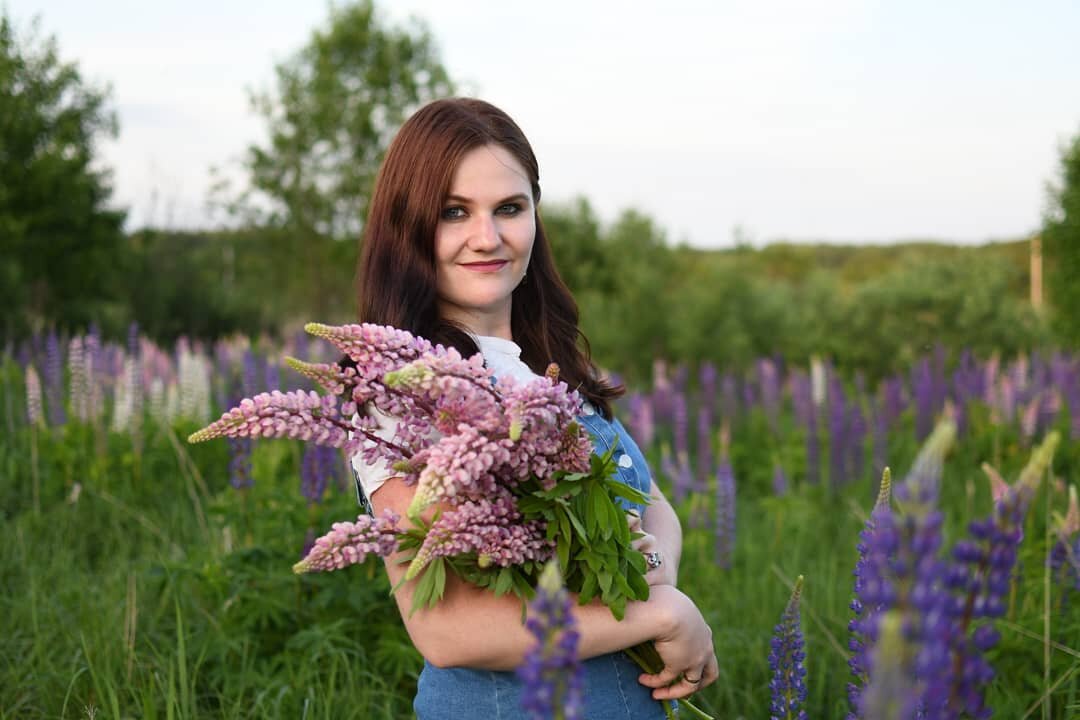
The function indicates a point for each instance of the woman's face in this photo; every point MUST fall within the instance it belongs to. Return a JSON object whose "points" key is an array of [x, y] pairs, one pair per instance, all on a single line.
{"points": [[483, 240]]}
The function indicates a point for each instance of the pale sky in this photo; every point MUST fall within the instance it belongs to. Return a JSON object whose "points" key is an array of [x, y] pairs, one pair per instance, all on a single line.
{"points": [[807, 120]]}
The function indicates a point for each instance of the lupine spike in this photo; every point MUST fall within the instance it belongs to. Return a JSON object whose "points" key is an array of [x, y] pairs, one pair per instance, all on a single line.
{"points": [[330, 376], [891, 692], [786, 660], [998, 486], [552, 675], [884, 497], [350, 543], [33, 397]]}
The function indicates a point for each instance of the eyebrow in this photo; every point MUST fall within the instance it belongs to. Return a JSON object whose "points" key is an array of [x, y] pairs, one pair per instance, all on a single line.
{"points": [[519, 197]]}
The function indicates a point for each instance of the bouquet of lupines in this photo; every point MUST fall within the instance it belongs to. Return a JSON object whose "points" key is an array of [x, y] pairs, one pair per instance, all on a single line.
{"points": [[510, 473], [505, 477]]}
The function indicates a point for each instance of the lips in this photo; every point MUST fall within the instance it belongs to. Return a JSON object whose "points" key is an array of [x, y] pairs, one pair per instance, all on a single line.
{"points": [[487, 266]]}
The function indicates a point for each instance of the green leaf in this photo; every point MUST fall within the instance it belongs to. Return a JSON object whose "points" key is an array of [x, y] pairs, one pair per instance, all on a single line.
{"points": [[504, 582], [601, 510], [604, 578], [588, 590]]}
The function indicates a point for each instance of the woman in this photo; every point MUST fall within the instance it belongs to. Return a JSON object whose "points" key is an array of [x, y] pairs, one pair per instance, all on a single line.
{"points": [[454, 251]]}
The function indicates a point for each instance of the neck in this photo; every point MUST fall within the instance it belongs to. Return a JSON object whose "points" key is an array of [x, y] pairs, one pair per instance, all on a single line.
{"points": [[495, 324]]}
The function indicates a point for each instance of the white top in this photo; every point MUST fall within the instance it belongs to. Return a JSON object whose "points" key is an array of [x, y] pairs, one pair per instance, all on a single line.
{"points": [[502, 356]]}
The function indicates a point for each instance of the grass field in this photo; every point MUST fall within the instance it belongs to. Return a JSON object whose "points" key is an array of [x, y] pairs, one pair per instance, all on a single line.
{"points": [[137, 582]]}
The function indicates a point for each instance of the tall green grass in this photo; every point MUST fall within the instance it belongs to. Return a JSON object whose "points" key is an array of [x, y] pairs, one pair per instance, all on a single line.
{"points": [[147, 587]]}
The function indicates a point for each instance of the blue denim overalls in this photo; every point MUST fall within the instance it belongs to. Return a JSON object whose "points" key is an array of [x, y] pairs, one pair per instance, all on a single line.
{"points": [[612, 691]]}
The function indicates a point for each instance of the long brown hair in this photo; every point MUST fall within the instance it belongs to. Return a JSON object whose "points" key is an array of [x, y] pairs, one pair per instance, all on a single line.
{"points": [[396, 282]]}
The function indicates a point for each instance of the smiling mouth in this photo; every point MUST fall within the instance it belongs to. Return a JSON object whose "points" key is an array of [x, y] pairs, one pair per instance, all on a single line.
{"points": [[489, 265]]}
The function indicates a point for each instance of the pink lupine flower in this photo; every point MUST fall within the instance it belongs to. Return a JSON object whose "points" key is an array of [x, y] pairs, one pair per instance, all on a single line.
{"points": [[998, 487], [330, 376], [490, 528], [350, 543], [296, 414], [33, 397], [463, 464], [376, 349]]}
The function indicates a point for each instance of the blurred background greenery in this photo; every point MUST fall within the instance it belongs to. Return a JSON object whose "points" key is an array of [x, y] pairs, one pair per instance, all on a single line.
{"points": [[66, 258]]}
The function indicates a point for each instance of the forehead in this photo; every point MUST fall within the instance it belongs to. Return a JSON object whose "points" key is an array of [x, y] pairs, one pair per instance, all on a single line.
{"points": [[489, 168]]}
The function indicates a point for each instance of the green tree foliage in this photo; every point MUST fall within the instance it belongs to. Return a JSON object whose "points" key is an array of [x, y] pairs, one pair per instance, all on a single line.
{"points": [[61, 247], [1061, 247], [335, 107]]}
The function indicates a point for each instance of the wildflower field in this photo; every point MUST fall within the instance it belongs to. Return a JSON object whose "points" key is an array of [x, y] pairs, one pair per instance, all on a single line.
{"points": [[144, 577]]}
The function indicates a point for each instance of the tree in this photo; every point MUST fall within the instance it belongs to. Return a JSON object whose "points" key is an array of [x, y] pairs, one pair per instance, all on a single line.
{"points": [[336, 106], [61, 247], [1061, 247]]}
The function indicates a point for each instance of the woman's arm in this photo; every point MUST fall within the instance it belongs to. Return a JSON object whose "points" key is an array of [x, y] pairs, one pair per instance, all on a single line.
{"points": [[471, 627], [663, 533]]}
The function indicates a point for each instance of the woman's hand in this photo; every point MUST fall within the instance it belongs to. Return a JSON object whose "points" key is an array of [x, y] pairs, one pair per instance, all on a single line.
{"points": [[685, 645], [665, 573]]}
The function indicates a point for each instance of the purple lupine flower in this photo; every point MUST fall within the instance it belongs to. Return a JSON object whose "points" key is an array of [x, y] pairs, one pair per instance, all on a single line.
{"points": [[240, 462], [272, 374], [768, 376], [891, 693], [704, 446], [899, 569], [250, 374], [680, 378], [661, 392], [922, 384], [640, 420], [707, 379], [813, 452], [1049, 409], [893, 399], [301, 345], [680, 419], [979, 580], [725, 512], [54, 380], [779, 479], [749, 399], [856, 441], [879, 436], [312, 478], [1064, 559], [802, 401], [729, 398], [786, 661], [350, 543], [873, 593], [552, 676]]}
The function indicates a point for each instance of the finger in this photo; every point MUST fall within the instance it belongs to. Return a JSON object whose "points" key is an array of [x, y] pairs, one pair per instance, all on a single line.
{"points": [[634, 521], [660, 679], [681, 689], [711, 672], [644, 543]]}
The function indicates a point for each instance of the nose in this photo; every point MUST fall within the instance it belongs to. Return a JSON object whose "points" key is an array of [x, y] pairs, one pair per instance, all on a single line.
{"points": [[484, 235]]}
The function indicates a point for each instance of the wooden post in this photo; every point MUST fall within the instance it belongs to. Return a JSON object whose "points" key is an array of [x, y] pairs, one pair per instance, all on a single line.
{"points": [[1036, 273]]}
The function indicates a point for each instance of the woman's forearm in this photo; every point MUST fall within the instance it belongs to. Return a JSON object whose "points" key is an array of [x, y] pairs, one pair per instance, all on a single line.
{"points": [[471, 627], [661, 521]]}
